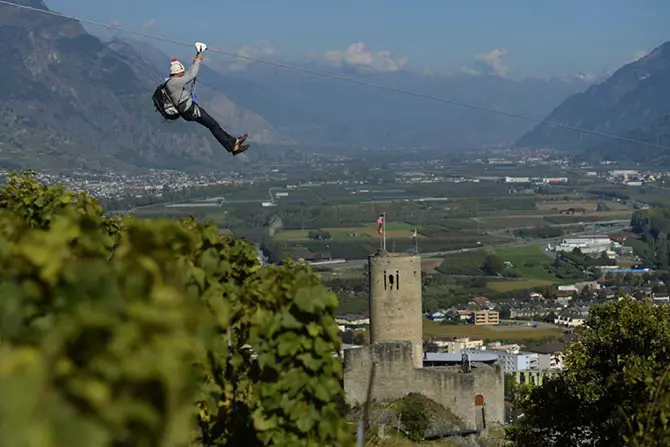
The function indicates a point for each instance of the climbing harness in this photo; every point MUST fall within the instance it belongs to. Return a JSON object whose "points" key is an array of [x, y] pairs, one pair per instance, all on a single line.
{"points": [[194, 98]]}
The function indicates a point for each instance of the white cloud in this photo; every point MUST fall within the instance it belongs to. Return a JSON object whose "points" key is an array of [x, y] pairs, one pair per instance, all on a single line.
{"points": [[358, 56], [259, 50], [638, 55], [491, 63], [587, 76], [146, 26]]}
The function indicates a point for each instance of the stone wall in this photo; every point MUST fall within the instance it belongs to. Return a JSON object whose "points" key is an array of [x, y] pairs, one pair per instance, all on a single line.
{"points": [[396, 376]]}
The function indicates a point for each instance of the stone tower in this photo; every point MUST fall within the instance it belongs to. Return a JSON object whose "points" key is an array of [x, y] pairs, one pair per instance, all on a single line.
{"points": [[395, 300]]}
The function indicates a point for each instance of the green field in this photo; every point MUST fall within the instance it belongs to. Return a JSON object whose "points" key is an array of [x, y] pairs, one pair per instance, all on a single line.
{"points": [[529, 261], [501, 333]]}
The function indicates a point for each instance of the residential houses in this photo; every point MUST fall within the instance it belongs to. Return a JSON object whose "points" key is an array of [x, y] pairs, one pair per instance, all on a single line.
{"points": [[457, 344], [569, 320], [485, 317], [347, 323]]}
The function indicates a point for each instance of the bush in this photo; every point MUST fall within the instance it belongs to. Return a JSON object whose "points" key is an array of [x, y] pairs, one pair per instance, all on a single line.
{"points": [[414, 416], [153, 332]]}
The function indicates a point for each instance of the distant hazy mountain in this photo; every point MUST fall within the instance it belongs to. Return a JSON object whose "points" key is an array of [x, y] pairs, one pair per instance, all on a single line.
{"points": [[316, 110], [69, 100], [634, 102]]}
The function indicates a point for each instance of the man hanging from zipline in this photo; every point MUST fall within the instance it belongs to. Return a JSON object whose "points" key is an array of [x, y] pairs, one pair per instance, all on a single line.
{"points": [[173, 100]]}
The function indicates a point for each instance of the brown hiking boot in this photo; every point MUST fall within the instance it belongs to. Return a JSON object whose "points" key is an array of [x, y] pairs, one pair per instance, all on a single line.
{"points": [[239, 148]]}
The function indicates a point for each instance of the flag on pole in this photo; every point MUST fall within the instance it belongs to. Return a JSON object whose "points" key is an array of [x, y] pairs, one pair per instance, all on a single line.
{"points": [[414, 234], [380, 224]]}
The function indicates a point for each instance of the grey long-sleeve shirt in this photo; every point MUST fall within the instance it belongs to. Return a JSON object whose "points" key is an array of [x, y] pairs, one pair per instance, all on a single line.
{"points": [[176, 87]]}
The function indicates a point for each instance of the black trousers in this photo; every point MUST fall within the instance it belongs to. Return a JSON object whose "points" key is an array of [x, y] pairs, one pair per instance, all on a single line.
{"points": [[200, 116]]}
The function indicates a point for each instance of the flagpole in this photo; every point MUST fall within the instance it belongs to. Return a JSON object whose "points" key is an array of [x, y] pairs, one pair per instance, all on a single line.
{"points": [[384, 232], [416, 241], [380, 230]]}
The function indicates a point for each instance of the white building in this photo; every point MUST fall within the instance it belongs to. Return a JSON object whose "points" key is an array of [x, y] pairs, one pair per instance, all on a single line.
{"points": [[520, 361], [550, 356], [593, 245], [622, 172], [455, 345], [555, 180], [514, 360], [517, 179]]}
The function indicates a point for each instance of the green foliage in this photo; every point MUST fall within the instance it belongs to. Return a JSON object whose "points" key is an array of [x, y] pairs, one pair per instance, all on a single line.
{"points": [[492, 265], [654, 228], [466, 263], [414, 416], [38, 205], [147, 333], [615, 387], [320, 235]]}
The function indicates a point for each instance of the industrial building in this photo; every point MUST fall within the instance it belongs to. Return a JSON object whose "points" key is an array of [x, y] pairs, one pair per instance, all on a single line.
{"points": [[587, 245]]}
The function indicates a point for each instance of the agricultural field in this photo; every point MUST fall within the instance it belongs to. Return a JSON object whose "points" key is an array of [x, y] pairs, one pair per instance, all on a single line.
{"points": [[473, 215], [499, 332], [504, 222], [512, 285], [530, 262], [567, 219], [360, 241], [393, 230], [588, 205], [653, 196]]}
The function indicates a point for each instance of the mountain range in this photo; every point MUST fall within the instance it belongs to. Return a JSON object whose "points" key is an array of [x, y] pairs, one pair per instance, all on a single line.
{"points": [[328, 110], [633, 103], [324, 111], [70, 99]]}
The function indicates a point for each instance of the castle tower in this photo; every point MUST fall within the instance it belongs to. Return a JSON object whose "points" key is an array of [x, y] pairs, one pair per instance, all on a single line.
{"points": [[395, 300]]}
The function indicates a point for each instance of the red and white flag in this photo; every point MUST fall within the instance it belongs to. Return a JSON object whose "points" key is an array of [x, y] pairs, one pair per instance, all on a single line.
{"points": [[380, 224]]}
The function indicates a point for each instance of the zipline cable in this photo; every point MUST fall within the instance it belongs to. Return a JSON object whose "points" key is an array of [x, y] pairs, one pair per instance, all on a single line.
{"points": [[339, 77]]}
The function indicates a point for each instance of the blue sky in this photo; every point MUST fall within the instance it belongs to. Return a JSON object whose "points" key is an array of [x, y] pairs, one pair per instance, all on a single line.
{"points": [[517, 38]]}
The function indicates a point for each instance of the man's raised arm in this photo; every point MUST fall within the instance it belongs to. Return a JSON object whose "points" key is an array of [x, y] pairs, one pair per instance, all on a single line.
{"points": [[194, 69]]}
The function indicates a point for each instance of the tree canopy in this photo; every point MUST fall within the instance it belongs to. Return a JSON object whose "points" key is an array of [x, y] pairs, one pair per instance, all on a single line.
{"points": [[118, 332], [615, 390], [653, 226]]}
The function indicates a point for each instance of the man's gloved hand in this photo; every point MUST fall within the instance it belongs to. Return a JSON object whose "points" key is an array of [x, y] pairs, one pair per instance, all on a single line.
{"points": [[200, 47]]}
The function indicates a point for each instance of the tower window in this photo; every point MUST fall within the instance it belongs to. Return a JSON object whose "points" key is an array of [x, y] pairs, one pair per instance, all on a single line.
{"points": [[397, 280], [384, 279]]}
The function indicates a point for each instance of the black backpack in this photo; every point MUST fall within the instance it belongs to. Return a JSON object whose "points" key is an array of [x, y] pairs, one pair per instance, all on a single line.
{"points": [[164, 104]]}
